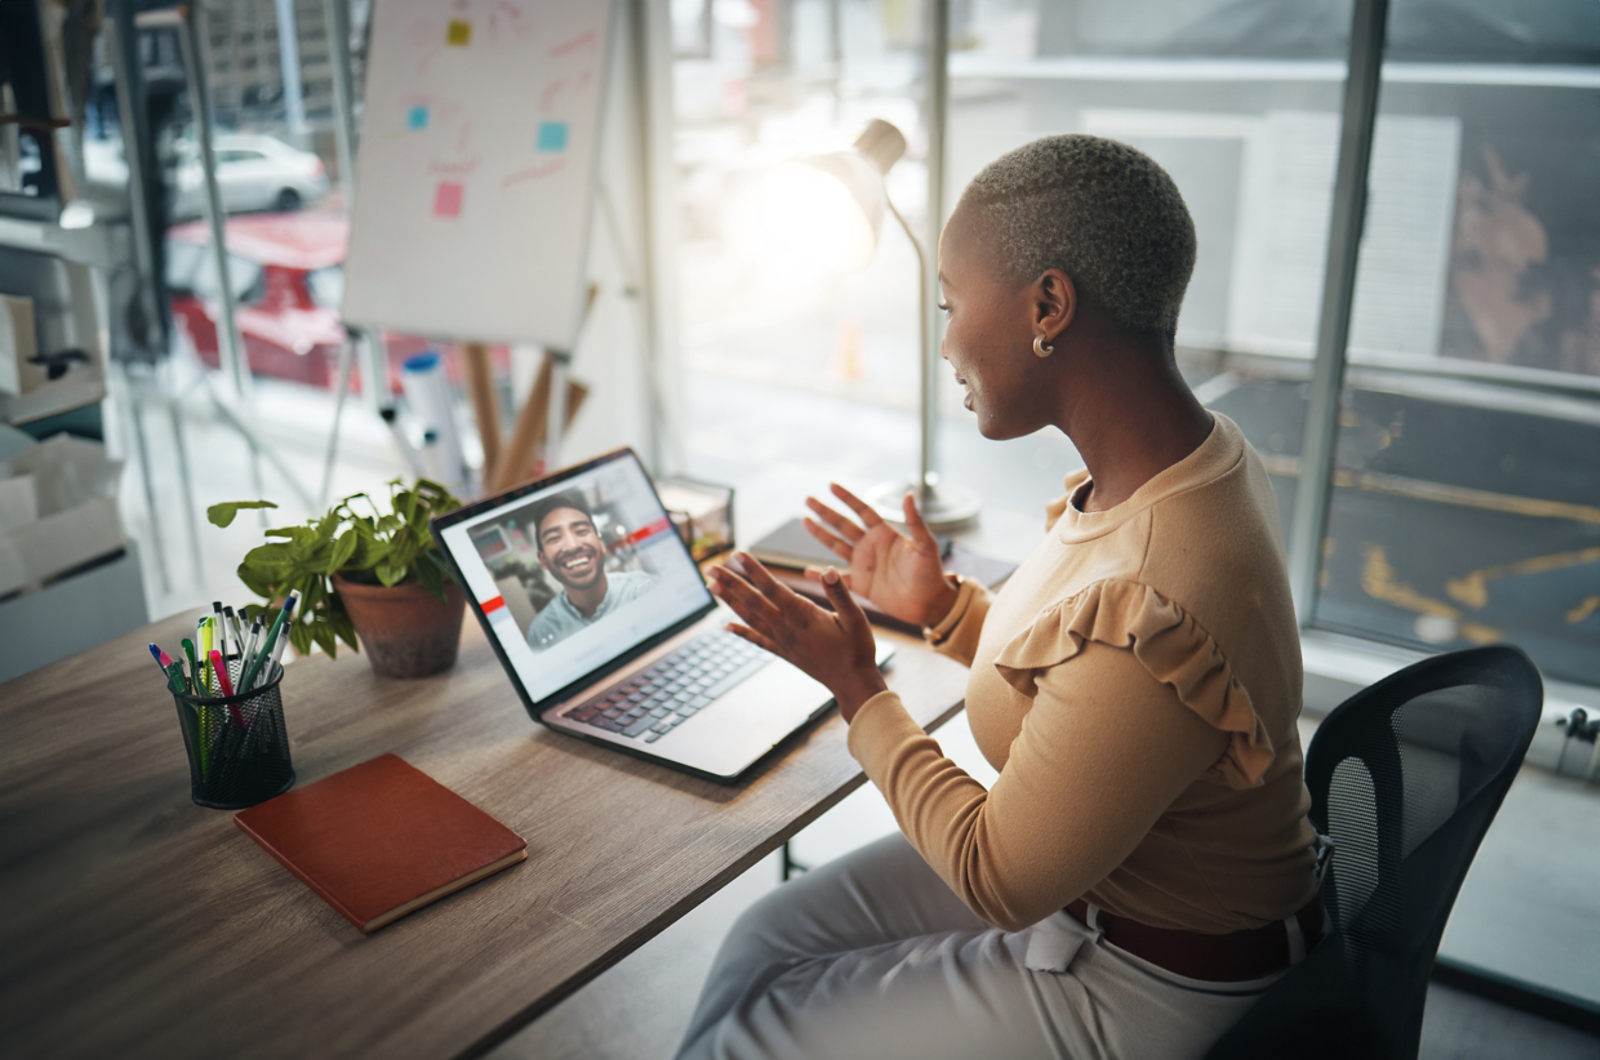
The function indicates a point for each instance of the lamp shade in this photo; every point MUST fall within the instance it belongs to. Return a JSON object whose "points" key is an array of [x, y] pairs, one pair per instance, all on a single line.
{"points": [[827, 209]]}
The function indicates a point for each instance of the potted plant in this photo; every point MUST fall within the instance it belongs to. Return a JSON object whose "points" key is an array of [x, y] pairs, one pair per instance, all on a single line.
{"points": [[365, 572]]}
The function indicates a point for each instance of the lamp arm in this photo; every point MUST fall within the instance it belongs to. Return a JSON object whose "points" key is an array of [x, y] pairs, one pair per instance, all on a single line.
{"points": [[927, 407]]}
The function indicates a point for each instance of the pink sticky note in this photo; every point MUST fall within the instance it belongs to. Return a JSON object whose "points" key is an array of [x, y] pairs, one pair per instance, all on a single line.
{"points": [[447, 199]]}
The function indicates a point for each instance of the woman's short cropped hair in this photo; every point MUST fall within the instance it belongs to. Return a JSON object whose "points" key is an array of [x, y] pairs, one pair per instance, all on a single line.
{"points": [[1102, 212]]}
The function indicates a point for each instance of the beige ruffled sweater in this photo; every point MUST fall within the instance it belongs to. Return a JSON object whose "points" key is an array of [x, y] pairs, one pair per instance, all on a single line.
{"points": [[1136, 682]]}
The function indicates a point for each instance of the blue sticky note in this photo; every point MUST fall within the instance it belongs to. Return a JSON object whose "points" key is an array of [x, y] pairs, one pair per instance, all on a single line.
{"points": [[418, 118], [552, 136]]}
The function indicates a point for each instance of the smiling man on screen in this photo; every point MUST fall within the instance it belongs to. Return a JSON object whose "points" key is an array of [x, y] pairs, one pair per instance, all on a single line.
{"points": [[571, 549]]}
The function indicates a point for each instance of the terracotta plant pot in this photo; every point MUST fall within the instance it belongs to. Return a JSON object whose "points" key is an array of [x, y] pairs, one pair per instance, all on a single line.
{"points": [[404, 630]]}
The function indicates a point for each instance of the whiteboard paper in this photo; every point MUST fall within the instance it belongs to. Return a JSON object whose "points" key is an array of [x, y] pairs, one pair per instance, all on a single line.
{"points": [[475, 171]]}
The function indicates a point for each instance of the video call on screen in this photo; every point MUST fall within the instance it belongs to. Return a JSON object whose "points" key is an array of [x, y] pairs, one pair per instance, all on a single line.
{"points": [[573, 576]]}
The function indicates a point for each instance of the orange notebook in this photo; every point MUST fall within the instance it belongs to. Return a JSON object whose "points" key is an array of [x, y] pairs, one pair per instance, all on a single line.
{"points": [[381, 839]]}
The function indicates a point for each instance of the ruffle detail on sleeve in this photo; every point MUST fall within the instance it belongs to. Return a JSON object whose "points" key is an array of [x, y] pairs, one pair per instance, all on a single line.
{"points": [[1169, 643], [1053, 510]]}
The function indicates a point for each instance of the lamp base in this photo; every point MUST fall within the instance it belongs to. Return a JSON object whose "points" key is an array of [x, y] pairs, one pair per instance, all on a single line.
{"points": [[944, 505]]}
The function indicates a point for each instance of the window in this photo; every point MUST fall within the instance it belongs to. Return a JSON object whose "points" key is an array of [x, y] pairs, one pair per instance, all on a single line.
{"points": [[1463, 507]]}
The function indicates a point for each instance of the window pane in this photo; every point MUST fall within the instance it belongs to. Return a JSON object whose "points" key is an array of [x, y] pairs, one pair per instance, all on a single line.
{"points": [[1241, 104], [782, 83], [1463, 507]]}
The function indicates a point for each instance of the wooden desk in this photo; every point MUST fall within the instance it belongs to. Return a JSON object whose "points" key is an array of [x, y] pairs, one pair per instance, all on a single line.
{"points": [[136, 923]]}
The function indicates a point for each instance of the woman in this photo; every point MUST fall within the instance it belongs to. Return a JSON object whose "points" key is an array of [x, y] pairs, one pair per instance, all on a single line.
{"points": [[1143, 867]]}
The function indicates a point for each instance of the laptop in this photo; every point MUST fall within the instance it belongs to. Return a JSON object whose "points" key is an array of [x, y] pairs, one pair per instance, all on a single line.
{"points": [[605, 626]]}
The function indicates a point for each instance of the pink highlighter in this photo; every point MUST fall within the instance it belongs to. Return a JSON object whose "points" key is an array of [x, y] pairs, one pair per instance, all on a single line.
{"points": [[225, 685]]}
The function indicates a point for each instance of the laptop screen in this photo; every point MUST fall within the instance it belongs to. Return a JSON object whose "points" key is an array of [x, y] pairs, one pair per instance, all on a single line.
{"points": [[575, 572]]}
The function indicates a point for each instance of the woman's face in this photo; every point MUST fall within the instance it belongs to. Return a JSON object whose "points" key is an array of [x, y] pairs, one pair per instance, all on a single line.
{"points": [[988, 337]]}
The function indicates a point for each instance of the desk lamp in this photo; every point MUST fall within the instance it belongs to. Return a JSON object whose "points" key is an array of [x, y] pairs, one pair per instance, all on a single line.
{"points": [[832, 207]]}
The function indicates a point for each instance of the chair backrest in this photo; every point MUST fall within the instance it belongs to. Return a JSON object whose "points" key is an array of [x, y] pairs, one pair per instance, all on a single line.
{"points": [[1405, 777]]}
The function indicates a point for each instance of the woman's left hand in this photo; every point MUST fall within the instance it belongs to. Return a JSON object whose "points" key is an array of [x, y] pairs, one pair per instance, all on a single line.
{"points": [[835, 647]]}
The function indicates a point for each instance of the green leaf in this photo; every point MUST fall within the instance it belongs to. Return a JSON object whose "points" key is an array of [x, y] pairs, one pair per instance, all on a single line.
{"points": [[257, 582], [300, 636], [439, 499], [328, 527], [373, 552], [343, 549], [430, 575], [302, 543], [322, 633], [265, 567], [223, 514], [389, 573], [345, 629]]}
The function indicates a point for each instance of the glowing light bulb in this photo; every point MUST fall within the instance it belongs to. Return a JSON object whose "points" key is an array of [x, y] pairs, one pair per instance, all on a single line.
{"points": [[800, 212]]}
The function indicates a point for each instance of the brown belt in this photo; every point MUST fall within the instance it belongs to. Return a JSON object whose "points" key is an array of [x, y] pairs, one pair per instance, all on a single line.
{"points": [[1232, 957]]}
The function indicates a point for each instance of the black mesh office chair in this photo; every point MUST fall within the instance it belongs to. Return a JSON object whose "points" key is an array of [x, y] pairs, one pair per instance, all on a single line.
{"points": [[1406, 777]]}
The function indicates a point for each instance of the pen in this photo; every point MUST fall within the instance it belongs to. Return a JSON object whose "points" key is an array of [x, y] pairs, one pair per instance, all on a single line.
{"points": [[255, 636], [248, 681], [233, 628], [218, 625], [194, 667], [277, 654]]}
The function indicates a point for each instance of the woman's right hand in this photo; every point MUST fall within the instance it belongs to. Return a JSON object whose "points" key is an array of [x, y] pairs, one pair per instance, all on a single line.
{"points": [[900, 573]]}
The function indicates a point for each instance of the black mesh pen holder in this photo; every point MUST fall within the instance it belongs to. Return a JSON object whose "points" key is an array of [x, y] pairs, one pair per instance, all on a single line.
{"points": [[237, 745]]}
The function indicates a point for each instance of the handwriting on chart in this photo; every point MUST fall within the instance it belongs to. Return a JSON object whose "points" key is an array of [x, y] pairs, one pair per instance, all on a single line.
{"points": [[551, 134], [468, 24], [531, 173], [497, 33]]}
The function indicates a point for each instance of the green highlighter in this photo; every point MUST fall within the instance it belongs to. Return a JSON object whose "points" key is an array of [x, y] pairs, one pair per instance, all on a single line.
{"points": [[202, 723], [188, 649]]}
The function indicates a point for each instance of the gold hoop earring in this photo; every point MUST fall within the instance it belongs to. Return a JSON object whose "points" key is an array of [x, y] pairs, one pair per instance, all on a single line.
{"points": [[1039, 347]]}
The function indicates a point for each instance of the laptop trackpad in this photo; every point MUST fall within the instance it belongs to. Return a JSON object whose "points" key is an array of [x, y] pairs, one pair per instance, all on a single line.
{"points": [[745, 722]]}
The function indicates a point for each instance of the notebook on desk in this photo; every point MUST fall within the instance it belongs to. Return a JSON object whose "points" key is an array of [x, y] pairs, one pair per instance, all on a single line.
{"points": [[614, 636], [381, 839]]}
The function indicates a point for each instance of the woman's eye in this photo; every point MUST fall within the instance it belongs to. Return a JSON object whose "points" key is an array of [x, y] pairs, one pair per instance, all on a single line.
{"points": [[944, 307]]}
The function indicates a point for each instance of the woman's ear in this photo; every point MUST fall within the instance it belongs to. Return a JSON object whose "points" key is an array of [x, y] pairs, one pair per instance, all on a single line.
{"points": [[1056, 302]]}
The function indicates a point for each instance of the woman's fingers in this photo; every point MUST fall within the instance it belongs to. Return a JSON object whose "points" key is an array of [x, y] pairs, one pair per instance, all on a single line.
{"points": [[844, 605], [747, 603], [831, 542], [919, 526], [869, 518], [758, 639], [780, 596], [816, 573], [841, 526]]}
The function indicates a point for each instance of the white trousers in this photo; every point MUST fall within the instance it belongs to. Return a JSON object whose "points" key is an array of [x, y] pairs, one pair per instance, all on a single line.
{"points": [[873, 956]]}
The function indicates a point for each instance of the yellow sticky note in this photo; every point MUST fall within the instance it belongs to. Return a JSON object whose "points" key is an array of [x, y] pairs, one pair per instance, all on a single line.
{"points": [[460, 33]]}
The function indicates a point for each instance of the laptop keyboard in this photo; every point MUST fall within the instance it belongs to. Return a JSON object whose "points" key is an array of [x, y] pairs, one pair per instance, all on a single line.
{"points": [[674, 688]]}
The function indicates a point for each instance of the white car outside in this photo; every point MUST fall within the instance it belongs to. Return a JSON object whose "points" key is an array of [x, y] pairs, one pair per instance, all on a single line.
{"points": [[254, 172]]}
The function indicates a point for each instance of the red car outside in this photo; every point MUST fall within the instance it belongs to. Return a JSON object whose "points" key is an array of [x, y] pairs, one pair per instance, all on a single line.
{"points": [[287, 275]]}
